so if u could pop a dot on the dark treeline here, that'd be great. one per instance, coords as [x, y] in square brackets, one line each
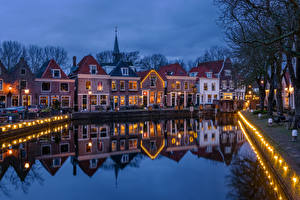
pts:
[12, 51]
[265, 38]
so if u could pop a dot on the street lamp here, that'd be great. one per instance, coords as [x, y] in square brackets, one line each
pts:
[26, 92]
[90, 101]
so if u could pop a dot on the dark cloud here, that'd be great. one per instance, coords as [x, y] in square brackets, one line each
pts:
[175, 28]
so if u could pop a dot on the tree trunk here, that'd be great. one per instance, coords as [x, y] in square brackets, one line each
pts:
[271, 100]
[262, 96]
[279, 103]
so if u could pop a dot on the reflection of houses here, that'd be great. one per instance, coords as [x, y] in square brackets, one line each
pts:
[180, 87]
[153, 141]
[54, 85]
[228, 142]
[54, 149]
[153, 87]
[5, 88]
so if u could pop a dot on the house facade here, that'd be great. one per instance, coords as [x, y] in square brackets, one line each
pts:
[22, 85]
[152, 88]
[124, 86]
[207, 85]
[227, 83]
[5, 88]
[180, 88]
[53, 84]
[92, 84]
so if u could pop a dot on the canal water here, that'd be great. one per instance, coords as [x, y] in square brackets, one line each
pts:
[203, 158]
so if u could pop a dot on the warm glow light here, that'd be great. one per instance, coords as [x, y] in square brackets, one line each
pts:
[10, 151]
[285, 168]
[90, 144]
[90, 92]
[156, 154]
[26, 91]
[294, 179]
[27, 165]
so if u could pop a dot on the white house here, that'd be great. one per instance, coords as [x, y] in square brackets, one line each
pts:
[207, 85]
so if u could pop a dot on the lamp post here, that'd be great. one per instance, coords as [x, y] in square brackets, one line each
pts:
[26, 105]
[90, 101]
[9, 93]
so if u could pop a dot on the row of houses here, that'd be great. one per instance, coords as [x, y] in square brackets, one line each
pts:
[91, 86]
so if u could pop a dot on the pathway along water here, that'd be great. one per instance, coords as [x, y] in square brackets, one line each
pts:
[162, 159]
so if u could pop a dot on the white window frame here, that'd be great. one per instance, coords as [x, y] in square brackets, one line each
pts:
[69, 101]
[53, 162]
[43, 96]
[53, 72]
[11, 101]
[42, 86]
[30, 99]
[91, 69]
[125, 71]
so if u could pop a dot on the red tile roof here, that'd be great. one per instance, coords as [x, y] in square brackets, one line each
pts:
[83, 66]
[202, 71]
[143, 74]
[48, 164]
[215, 66]
[48, 71]
[175, 155]
[85, 166]
[172, 70]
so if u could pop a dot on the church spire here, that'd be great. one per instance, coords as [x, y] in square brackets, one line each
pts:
[116, 52]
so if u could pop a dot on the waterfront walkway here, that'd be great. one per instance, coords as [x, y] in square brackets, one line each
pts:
[280, 138]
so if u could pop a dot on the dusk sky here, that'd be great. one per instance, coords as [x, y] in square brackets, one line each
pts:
[176, 28]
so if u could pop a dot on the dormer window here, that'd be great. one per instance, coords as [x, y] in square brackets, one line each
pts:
[23, 71]
[125, 71]
[170, 73]
[209, 74]
[56, 73]
[93, 69]
[193, 74]
[227, 72]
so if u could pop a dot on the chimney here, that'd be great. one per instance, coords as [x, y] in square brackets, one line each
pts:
[74, 61]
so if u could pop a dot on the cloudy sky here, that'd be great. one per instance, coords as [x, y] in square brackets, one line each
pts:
[175, 28]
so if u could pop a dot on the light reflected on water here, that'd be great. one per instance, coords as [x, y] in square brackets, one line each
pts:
[170, 159]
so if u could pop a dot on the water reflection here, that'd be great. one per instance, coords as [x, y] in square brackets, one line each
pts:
[114, 146]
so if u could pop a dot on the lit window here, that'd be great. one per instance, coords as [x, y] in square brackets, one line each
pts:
[215, 96]
[132, 143]
[56, 73]
[178, 85]
[26, 100]
[88, 148]
[122, 100]
[65, 101]
[100, 86]
[152, 97]
[132, 85]
[186, 85]
[205, 86]
[88, 85]
[133, 100]
[209, 98]
[122, 145]
[54, 99]
[103, 99]
[213, 86]
[93, 69]
[122, 85]
[122, 129]
[103, 132]
[64, 87]
[113, 85]
[124, 71]
[153, 81]
[159, 97]
[15, 100]
[93, 100]
[114, 145]
[44, 100]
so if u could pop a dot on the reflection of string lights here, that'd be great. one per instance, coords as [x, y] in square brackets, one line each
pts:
[33, 136]
[32, 123]
[273, 184]
[281, 163]
[156, 154]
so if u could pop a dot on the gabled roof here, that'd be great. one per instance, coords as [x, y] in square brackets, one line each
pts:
[214, 155]
[83, 66]
[144, 75]
[215, 66]
[48, 164]
[46, 70]
[202, 71]
[172, 70]
[118, 72]
[21, 64]
[175, 155]
[85, 166]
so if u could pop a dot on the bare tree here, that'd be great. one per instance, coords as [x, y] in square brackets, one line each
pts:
[154, 61]
[214, 53]
[105, 57]
[59, 54]
[11, 52]
[35, 57]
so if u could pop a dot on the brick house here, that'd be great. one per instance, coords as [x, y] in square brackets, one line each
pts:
[180, 87]
[93, 85]
[52, 84]
[125, 86]
[207, 83]
[152, 88]
[5, 87]
[227, 84]
[22, 79]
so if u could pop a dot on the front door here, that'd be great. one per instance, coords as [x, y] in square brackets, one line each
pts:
[84, 102]
[2, 101]
[145, 98]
